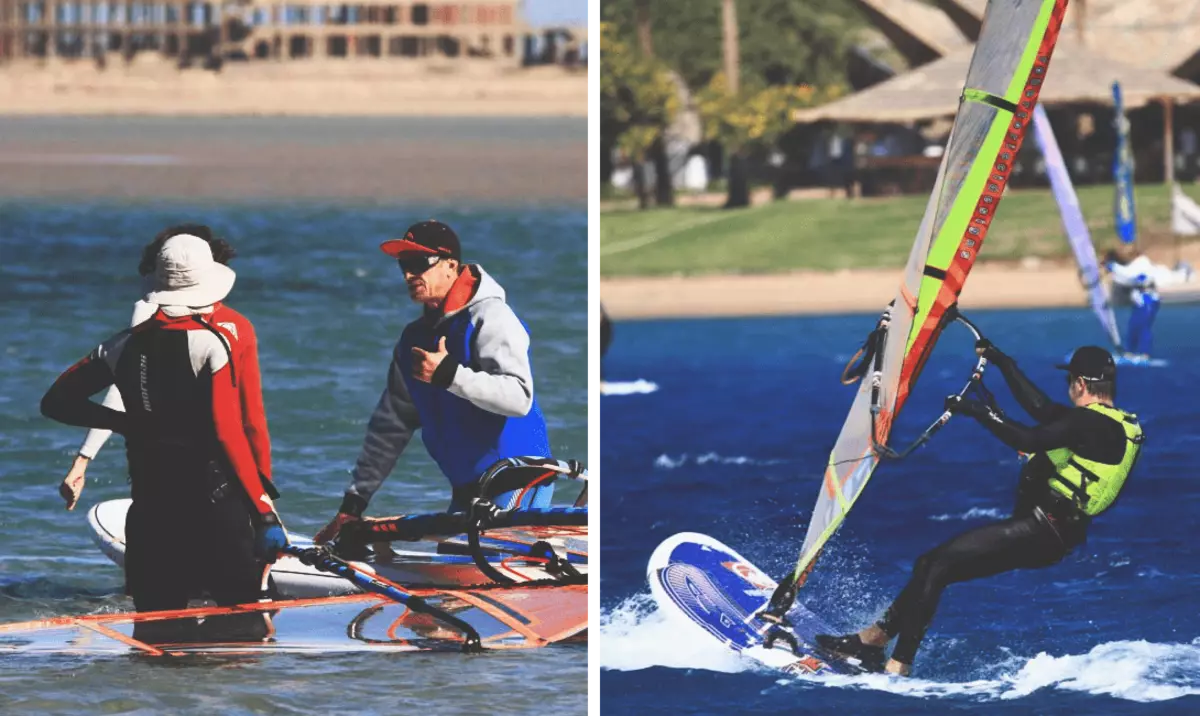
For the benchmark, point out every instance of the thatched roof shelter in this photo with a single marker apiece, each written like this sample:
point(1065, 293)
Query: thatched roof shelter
point(1077, 75)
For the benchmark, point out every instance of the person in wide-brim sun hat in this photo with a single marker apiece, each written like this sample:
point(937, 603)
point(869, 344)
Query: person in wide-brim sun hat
point(202, 517)
point(187, 275)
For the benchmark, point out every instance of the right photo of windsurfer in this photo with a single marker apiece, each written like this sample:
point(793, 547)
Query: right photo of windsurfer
point(808, 281)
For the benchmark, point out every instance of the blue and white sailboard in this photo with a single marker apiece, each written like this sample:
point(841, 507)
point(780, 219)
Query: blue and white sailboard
point(720, 592)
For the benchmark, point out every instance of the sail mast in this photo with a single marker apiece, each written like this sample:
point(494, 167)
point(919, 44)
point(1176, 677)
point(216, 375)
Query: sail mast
point(1002, 85)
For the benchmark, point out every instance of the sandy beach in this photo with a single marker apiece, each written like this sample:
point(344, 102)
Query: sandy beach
point(149, 86)
point(510, 160)
point(990, 286)
point(318, 129)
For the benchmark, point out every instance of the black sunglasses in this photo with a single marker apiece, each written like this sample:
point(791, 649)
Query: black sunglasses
point(419, 265)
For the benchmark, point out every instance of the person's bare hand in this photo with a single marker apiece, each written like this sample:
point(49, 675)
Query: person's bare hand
point(426, 362)
point(72, 484)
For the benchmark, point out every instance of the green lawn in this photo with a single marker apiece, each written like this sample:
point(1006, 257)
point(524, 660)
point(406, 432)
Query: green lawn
point(831, 234)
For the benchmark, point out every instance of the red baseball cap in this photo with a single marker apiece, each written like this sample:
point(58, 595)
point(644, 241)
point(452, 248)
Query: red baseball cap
point(428, 238)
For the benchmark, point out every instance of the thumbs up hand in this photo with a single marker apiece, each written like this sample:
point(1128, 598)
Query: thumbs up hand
point(426, 362)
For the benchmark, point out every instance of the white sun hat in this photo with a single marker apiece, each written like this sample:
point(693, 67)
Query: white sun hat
point(186, 274)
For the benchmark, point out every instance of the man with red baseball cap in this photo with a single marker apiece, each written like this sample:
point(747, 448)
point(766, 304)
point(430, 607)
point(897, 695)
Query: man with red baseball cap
point(460, 372)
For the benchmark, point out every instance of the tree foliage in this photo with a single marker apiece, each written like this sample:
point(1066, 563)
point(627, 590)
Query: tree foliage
point(781, 41)
point(756, 117)
point(638, 96)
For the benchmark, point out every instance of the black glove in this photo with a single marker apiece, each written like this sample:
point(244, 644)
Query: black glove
point(965, 406)
point(988, 350)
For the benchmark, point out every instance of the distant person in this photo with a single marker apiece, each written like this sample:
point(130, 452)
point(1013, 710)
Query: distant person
point(460, 372)
point(601, 337)
point(249, 379)
point(1079, 459)
point(1141, 277)
point(202, 517)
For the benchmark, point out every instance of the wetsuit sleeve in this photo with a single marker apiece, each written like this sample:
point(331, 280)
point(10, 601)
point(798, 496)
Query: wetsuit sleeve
point(254, 413)
point(68, 400)
point(1064, 431)
point(1030, 397)
point(1131, 275)
point(504, 383)
point(95, 438)
point(231, 432)
point(390, 429)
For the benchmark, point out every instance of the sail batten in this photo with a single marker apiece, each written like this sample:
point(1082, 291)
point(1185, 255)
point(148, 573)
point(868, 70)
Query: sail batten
point(1005, 76)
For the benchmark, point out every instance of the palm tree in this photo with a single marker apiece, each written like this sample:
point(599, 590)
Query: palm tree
point(739, 185)
point(664, 189)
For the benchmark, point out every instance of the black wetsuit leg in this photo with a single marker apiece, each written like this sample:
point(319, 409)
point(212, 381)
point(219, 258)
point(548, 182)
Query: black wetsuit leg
point(188, 531)
point(1016, 543)
point(156, 573)
point(230, 573)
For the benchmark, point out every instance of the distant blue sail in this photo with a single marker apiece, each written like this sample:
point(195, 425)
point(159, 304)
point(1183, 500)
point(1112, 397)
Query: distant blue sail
point(1123, 206)
point(1074, 225)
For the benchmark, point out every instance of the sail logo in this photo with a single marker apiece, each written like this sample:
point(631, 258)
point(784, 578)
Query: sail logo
point(749, 573)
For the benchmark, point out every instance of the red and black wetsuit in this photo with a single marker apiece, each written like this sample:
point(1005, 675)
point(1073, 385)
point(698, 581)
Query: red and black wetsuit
point(198, 448)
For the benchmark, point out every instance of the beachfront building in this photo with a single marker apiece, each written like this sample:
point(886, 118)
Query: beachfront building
point(442, 31)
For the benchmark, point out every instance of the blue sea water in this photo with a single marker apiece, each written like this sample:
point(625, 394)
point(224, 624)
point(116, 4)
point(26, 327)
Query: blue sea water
point(733, 443)
point(328, 308)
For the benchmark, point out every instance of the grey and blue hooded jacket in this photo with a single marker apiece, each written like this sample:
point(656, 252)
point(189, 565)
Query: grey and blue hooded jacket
point(479, 406)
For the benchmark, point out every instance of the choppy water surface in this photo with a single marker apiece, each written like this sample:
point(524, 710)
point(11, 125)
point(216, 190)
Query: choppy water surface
point(328, 307)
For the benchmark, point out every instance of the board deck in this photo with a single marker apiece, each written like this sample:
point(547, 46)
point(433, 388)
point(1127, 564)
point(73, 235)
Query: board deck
point(710, 586)
point(509, 618)
point(450, 565)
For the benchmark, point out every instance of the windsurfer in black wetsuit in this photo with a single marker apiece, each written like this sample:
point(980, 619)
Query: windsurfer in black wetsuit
point(1079, 459)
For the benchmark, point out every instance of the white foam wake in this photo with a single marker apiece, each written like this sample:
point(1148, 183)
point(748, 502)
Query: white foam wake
point(1131, 670)
point(634, 387)
point(636, 635)
point(666, 462)
point(975, 513)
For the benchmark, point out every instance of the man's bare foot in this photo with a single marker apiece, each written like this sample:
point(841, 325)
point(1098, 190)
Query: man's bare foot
point(899, 668)
point(873, 636)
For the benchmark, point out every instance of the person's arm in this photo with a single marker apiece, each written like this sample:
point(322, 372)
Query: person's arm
point(1063, 431)
point(1131, 275)
point(95, 438)
point(504, 383)
point(231, 431)
point(389, 431)
point(254, 413)
point(1031, 398)
point(68, 400)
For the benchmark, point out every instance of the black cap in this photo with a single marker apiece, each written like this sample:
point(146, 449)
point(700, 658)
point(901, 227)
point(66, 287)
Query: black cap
point(429, 238)
point(1091, 363)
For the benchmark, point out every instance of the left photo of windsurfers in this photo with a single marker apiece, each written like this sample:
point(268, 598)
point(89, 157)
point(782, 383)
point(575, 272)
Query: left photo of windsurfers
point(305, 391)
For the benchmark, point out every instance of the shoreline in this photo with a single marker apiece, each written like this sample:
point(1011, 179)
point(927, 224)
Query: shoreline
point(313, 89)
point(991, 286)
point(484, 160)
